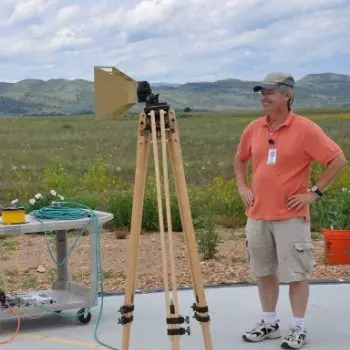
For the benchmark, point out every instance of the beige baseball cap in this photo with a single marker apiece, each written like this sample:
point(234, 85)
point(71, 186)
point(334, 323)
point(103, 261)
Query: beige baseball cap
point(273, 80)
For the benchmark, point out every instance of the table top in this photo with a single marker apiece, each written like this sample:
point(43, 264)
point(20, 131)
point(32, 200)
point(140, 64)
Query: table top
point(33, 225)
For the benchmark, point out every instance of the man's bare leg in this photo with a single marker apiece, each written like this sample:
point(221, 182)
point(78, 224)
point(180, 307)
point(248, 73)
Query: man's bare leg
point(269, 292)
point(299, 297)
point(268, 288)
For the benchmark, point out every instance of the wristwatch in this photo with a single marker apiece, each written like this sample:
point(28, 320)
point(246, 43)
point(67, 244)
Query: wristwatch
point(316, 190)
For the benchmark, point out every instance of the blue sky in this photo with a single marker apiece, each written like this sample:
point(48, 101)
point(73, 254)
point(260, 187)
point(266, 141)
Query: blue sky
point(173, 40)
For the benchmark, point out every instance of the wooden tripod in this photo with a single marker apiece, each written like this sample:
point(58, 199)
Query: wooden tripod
point(162, 125)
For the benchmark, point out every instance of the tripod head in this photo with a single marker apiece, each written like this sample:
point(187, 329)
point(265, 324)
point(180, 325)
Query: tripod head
point(144, 93)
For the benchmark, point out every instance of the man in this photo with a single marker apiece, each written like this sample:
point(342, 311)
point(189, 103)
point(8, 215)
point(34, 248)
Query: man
point(281, 145)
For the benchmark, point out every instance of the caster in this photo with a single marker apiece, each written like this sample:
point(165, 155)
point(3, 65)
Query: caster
point(82, 318)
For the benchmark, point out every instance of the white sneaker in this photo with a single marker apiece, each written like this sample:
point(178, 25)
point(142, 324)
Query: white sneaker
point(295, 339)
point(262, 331)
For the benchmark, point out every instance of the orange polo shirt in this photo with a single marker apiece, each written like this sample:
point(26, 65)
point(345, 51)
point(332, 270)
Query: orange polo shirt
point(297, 143)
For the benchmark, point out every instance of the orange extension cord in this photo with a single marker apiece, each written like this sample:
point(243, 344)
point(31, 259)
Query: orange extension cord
point(15, 334)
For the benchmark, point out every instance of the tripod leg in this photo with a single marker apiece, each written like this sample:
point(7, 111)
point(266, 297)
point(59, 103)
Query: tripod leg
point(169, 307)
point(176, 317)
point(200, 306)
point(135, 230)
point(172, 140)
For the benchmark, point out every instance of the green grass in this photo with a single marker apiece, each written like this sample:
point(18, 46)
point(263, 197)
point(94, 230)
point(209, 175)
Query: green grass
point(93, 162)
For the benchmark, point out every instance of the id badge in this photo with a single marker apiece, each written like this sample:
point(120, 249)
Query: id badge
point(271, 157)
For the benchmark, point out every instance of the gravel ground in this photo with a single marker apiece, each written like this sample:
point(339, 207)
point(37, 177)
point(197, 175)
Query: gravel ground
point(26, 264)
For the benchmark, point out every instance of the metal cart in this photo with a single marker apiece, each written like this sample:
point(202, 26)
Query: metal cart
point(64, 295)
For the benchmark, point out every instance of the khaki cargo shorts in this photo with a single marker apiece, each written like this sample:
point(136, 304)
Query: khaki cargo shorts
point(280, 247)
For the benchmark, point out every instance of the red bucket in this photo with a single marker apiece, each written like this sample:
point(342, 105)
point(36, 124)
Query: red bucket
point(337, 246)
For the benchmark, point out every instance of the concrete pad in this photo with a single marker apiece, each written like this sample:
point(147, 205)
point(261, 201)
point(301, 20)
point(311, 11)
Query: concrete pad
point(233, 310)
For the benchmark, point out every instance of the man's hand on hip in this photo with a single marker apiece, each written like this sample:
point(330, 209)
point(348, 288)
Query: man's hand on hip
point(246, 195)
point(298, 201)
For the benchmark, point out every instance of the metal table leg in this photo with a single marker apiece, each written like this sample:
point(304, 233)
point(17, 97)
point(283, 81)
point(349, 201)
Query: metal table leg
point(62, 250)
point(94, 268)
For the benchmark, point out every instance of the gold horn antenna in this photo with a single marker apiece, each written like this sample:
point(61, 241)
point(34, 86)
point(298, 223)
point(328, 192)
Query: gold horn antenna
point(115, 93)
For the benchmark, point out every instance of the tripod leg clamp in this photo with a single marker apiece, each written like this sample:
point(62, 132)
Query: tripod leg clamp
point(179, 331)
point(125, 320)
point(125, 309)
point(202, 310)
point(176, 321)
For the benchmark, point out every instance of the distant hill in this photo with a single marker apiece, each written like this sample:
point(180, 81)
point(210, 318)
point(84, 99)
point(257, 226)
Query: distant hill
point(71, 97)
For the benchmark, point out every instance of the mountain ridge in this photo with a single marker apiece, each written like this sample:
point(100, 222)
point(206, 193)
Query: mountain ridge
point(58, 96)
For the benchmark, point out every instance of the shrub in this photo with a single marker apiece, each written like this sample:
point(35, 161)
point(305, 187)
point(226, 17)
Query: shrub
point(334, 212)
point(225, 202)
point(120, 205)
point(207, 236)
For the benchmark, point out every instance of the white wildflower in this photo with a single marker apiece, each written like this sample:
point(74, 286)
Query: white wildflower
point(61, 197)
point(344, 189)
point(32, 201)
point(38, 196)
point(15, 201)
point(119, 169)
point(53, 192)
point(14, 168)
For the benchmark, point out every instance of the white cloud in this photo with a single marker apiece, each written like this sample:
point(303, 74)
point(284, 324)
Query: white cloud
point(173, 40)
point(68, 13)
point(67, 38)
point(28, 9)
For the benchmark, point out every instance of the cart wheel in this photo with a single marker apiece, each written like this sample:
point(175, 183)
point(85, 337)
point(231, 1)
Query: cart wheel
point(82, 318)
